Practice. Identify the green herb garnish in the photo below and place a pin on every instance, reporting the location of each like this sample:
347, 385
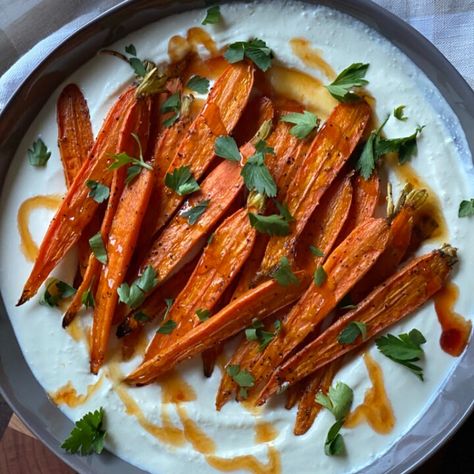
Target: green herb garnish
203, 314
167, 327
213, 15
171, 105
320, 276
342, 88
398, 113
255, 173
38, 154
466, 208
56, 290
242, 378
98, 248
351, 332
271, 225
256, 332
304, 123
256, 50
98, 191
134, 295
182, 181
198, 84
87, 299
315, 251
196, 212
226, 147
283, 274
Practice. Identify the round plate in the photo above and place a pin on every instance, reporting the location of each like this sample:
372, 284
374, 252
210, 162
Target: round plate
25, 89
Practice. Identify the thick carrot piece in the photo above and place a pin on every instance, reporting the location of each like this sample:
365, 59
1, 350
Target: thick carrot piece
77, 208
328, 153
349, 262
220, 262
396, 298
224, 106
258, 303
75, 139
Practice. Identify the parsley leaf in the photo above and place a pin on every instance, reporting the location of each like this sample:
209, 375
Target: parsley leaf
194, 213
353, 76
131, 50
167, 327
134, 295
334, 444
283, 274
203, 314
141, 317
38, 154
466, 208
137, 64
320, 276
198, 84
338, 400
242, 378
56, 290
98, 191
315, 251
255, 173
256, 332
351, 332
398, 113
284, 212
87, 299
256, 50
169, 302
305, 123
271, 225
98, 248
182, 181
213, 16
226, 147
88, 435
171, 104
404, 349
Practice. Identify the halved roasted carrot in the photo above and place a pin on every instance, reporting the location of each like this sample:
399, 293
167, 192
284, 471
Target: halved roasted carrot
75, 138
257, 303
220, 262
349, 262
328, 153
77, 208
245, 128
394, 299
155, 306
222, 110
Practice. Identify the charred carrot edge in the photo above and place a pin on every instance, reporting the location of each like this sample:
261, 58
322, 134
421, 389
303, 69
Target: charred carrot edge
396, 298
365, 200
259, 303
308, 408
122, 237
321, 231
401, 229
346, 265
326, 156
209, 358
224, 106
294, 394
155, 306
77, 209
75, 138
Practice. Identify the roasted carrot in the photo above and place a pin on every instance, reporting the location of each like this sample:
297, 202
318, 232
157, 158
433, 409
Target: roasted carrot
349, 262
77, 208
220, 262
257, 303
394, 299
155, 306
75, 138
222, 110
328, 153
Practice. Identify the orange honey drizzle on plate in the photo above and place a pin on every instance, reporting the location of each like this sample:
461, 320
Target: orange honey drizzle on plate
67, 394
312, 57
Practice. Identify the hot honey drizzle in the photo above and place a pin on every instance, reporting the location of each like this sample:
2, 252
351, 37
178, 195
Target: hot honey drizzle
179, 47
312, 57
67, 395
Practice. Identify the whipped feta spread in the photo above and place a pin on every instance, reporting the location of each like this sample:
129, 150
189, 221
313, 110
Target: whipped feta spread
57, 358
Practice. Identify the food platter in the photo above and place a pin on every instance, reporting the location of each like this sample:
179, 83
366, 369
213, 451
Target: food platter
451, 404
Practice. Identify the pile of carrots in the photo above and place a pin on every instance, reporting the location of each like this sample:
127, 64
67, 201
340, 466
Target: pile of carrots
214, 277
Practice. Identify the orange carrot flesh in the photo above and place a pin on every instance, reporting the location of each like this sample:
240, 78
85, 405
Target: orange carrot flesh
222, 110
396, 298
75, 139
77, 208
220, 262
258, 303
349, 262
328, 153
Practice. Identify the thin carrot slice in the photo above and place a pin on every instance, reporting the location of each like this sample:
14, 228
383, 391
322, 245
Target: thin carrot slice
394, 299
328, 153
258, 303
75, 139
220, 262
155, 306
349, 262
222, 110
77, 208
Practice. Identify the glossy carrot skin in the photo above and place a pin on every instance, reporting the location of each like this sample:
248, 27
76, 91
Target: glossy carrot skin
396, 298
258, 303
78, 208
326, 156
224, 106
349, 262
219, 264
75, 139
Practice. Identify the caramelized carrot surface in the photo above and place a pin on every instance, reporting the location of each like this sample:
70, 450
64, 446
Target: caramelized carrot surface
78, 208
257, 303
328, 153
399, 296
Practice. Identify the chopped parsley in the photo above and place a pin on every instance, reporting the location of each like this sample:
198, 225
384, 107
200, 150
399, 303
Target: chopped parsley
256, 332
167, 327
351, 332
87, 299
213, 16
398, 113
203, 314
342, 88
98, 192
272, 225
171, 106
198, 84
319, 276
38, 154
226, 147
56, 290
283, 274
194, 213
255, 173
304, 123
256, 50
98, 248
315, 251
134, 295
466, 208
182, 181
242, 378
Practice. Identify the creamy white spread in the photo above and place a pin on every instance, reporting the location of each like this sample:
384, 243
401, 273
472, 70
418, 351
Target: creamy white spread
442, 160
